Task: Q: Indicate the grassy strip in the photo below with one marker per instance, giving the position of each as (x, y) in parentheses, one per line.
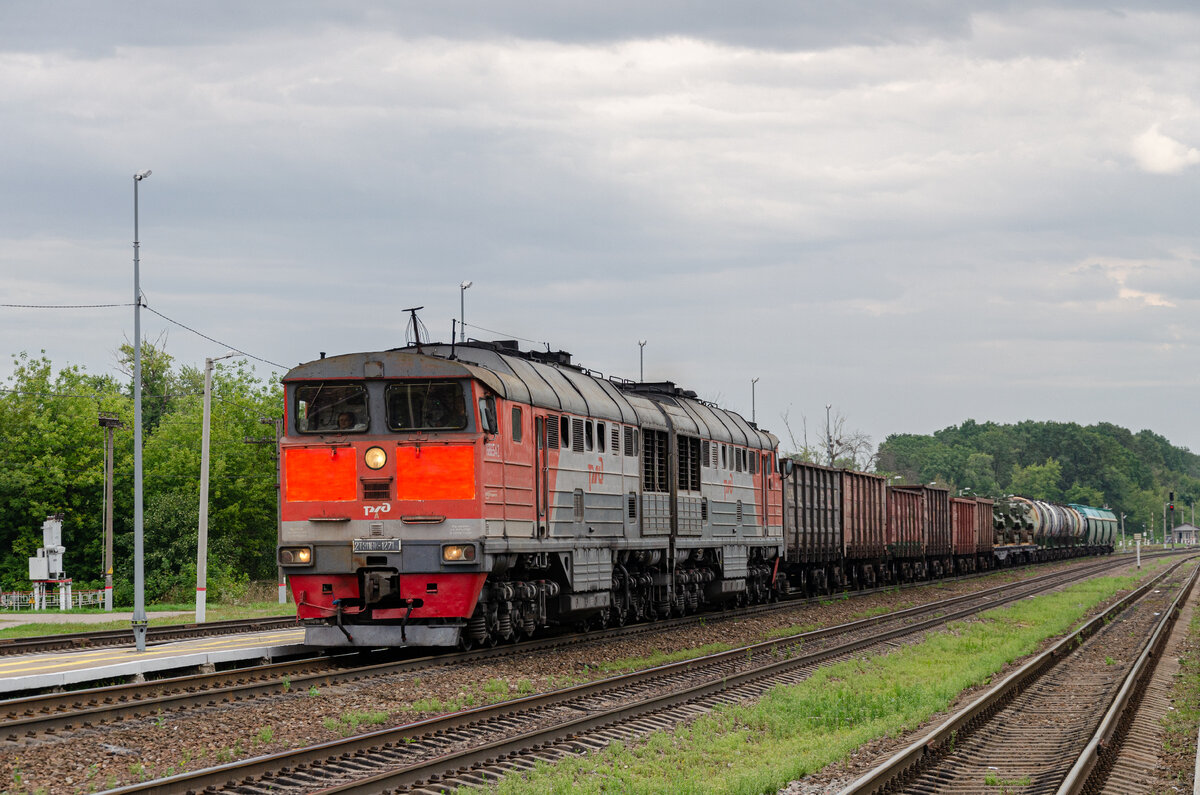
(213, 613)
(1179, 724)
(794, 731)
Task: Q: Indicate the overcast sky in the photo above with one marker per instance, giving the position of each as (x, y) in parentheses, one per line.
(918, 212)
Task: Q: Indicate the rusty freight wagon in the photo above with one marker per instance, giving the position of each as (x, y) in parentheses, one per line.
(963, 520)
(835, 525)
(984, 533)
(905, 535)
(936, 538)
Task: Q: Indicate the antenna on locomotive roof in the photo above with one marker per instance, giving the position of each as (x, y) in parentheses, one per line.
(412, 334)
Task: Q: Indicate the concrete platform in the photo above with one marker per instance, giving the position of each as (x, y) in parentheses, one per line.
(28, 672)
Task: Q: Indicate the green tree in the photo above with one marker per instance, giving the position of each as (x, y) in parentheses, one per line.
(53, 462)
(1079, 494)
(979, 475)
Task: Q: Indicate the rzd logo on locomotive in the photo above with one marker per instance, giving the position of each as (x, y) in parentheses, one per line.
(373, 511)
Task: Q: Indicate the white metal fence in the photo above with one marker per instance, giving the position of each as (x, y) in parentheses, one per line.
(24, 600)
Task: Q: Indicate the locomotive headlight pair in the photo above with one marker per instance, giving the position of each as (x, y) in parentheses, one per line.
(295, 556)
(375, 457)
(458, 553)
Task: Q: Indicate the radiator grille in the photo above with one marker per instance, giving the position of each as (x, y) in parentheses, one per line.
(377, 489)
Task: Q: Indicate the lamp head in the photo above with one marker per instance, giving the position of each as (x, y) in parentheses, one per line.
(466, 284)
(141, 175)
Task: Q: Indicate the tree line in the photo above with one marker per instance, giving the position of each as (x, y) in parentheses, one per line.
(1099, 465)
(53, 462)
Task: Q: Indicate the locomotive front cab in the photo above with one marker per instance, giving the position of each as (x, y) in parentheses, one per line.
(382, 500)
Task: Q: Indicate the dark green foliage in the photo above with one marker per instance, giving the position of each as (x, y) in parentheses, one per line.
(1097, 465)
(53, 461)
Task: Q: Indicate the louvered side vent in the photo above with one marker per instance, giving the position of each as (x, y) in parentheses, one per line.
(629, 441)
(689, 463)
(632, 505)
(739, 511)
(578, 505)
(704, 509)
(377, 489)
(552, 431)
(654, 461)
(615, 447)
(577, 435)
(706, 453)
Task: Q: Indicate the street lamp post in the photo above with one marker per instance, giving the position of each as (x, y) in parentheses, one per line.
(202, 543)
(139, 583)
(462, 310)
(109, 421)
(642, 361)
(753, 414)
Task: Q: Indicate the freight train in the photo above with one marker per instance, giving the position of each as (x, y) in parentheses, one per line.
(474, 493)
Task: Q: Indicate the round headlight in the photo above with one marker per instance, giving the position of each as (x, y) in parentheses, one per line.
(375, 457)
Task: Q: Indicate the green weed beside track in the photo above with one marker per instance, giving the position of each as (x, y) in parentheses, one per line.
(797, 730)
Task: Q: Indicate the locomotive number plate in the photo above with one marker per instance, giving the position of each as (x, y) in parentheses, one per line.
(376, 545)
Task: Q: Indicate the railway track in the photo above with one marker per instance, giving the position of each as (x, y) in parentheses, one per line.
(124, 637)
(28, 717)
(1036, 732)
(468, 746)
(1123, 755)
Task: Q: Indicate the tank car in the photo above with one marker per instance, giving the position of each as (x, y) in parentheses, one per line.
(1100, 528)
(442, 495)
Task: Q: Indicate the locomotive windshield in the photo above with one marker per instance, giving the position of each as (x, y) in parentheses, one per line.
(331, 408)
(426, 406)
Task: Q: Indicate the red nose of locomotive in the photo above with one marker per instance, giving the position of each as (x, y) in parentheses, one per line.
(382, 530)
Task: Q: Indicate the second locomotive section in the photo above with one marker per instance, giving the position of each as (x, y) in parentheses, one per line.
(441, 495)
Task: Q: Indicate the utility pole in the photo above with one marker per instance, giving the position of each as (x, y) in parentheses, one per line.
(109, 421)
(278, 423)
(139, 621)
(202, 535)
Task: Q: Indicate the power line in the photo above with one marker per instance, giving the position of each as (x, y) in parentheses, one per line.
(160, 314)
(62, 306)
(218, 342)
(506, 334)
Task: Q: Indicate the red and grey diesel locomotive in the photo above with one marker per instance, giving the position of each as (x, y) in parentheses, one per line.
(454, 494)
(441, 495)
